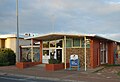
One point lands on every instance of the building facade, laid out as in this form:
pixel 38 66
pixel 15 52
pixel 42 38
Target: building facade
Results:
pixel 92 50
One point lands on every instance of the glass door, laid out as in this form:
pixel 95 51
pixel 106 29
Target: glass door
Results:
pixel 45 56
pixel 103 53
pixel 59 54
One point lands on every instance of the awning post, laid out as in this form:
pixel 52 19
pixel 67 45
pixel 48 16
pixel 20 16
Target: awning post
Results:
pixel 32 50
pixel 65 51
pixel 85 52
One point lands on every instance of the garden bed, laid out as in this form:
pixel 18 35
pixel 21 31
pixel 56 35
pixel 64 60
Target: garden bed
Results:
pixel 54 67
pixel 22 65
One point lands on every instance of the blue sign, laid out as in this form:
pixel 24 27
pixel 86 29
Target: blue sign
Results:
pixel 74 62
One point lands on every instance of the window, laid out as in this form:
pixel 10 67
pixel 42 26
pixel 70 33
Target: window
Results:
pixel 2 43
pixel 76 42
pixel 82 42
pixel 88 43
pixel 59 43
pixel 69 43
pixel 45 52
pixel 52 43
pixel 45 44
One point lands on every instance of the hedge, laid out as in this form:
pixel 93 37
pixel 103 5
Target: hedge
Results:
pixel 7 57
pixel 54 61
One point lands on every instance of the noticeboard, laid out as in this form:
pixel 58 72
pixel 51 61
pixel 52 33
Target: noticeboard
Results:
pixel 74 62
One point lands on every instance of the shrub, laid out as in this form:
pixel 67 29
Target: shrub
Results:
pixel 54 61
pixel 111 65
pixel 4 64
pixel 7 57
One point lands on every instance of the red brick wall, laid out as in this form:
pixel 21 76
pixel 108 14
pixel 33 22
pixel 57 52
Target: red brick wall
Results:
pixel 111 49
pixel 22 65
pixel 80 53
pixel 54 67
pixel 95 53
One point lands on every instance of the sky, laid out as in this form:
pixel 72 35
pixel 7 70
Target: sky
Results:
pixel 101 17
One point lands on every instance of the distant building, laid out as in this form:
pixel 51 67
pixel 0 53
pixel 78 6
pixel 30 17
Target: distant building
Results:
pixel 9 41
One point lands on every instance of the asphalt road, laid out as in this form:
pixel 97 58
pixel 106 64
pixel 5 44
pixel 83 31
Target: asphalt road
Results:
pixel 4 78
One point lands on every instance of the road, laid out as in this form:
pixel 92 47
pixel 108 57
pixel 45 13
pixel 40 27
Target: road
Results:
pixel 4 78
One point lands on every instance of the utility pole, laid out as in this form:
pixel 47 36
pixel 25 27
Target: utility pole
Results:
pixel 17 42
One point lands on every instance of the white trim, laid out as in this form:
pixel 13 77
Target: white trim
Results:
pixel 29 46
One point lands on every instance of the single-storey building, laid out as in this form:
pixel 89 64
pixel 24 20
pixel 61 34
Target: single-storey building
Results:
pixel 9 41
pixel 91 49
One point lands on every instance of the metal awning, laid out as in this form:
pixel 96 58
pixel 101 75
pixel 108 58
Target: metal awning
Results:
pixel 53 36
pixel 56 36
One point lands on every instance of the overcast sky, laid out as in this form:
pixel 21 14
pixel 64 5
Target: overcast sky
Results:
pixel 67 16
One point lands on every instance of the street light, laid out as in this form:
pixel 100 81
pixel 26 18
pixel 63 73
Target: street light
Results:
pixel 17 42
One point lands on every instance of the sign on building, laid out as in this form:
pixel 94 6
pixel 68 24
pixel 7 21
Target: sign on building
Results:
pixel 74 61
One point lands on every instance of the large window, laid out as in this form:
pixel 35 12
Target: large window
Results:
pixel 69 43
pixel 82 42
pixel 76 42
pixel 45 44
pixel 59 43
pixel 45 52
pixel 2 43
pixel 88 43
pixel 52 43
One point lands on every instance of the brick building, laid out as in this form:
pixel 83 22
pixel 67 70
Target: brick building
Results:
pixel 95 49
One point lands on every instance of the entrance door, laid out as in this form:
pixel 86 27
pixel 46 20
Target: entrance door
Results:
pixel 59 54
pixel 45 56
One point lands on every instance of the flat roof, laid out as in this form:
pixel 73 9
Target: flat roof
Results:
pixel 5 36
pixel 52 36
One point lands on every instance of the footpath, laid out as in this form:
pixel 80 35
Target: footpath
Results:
pixel 38 72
